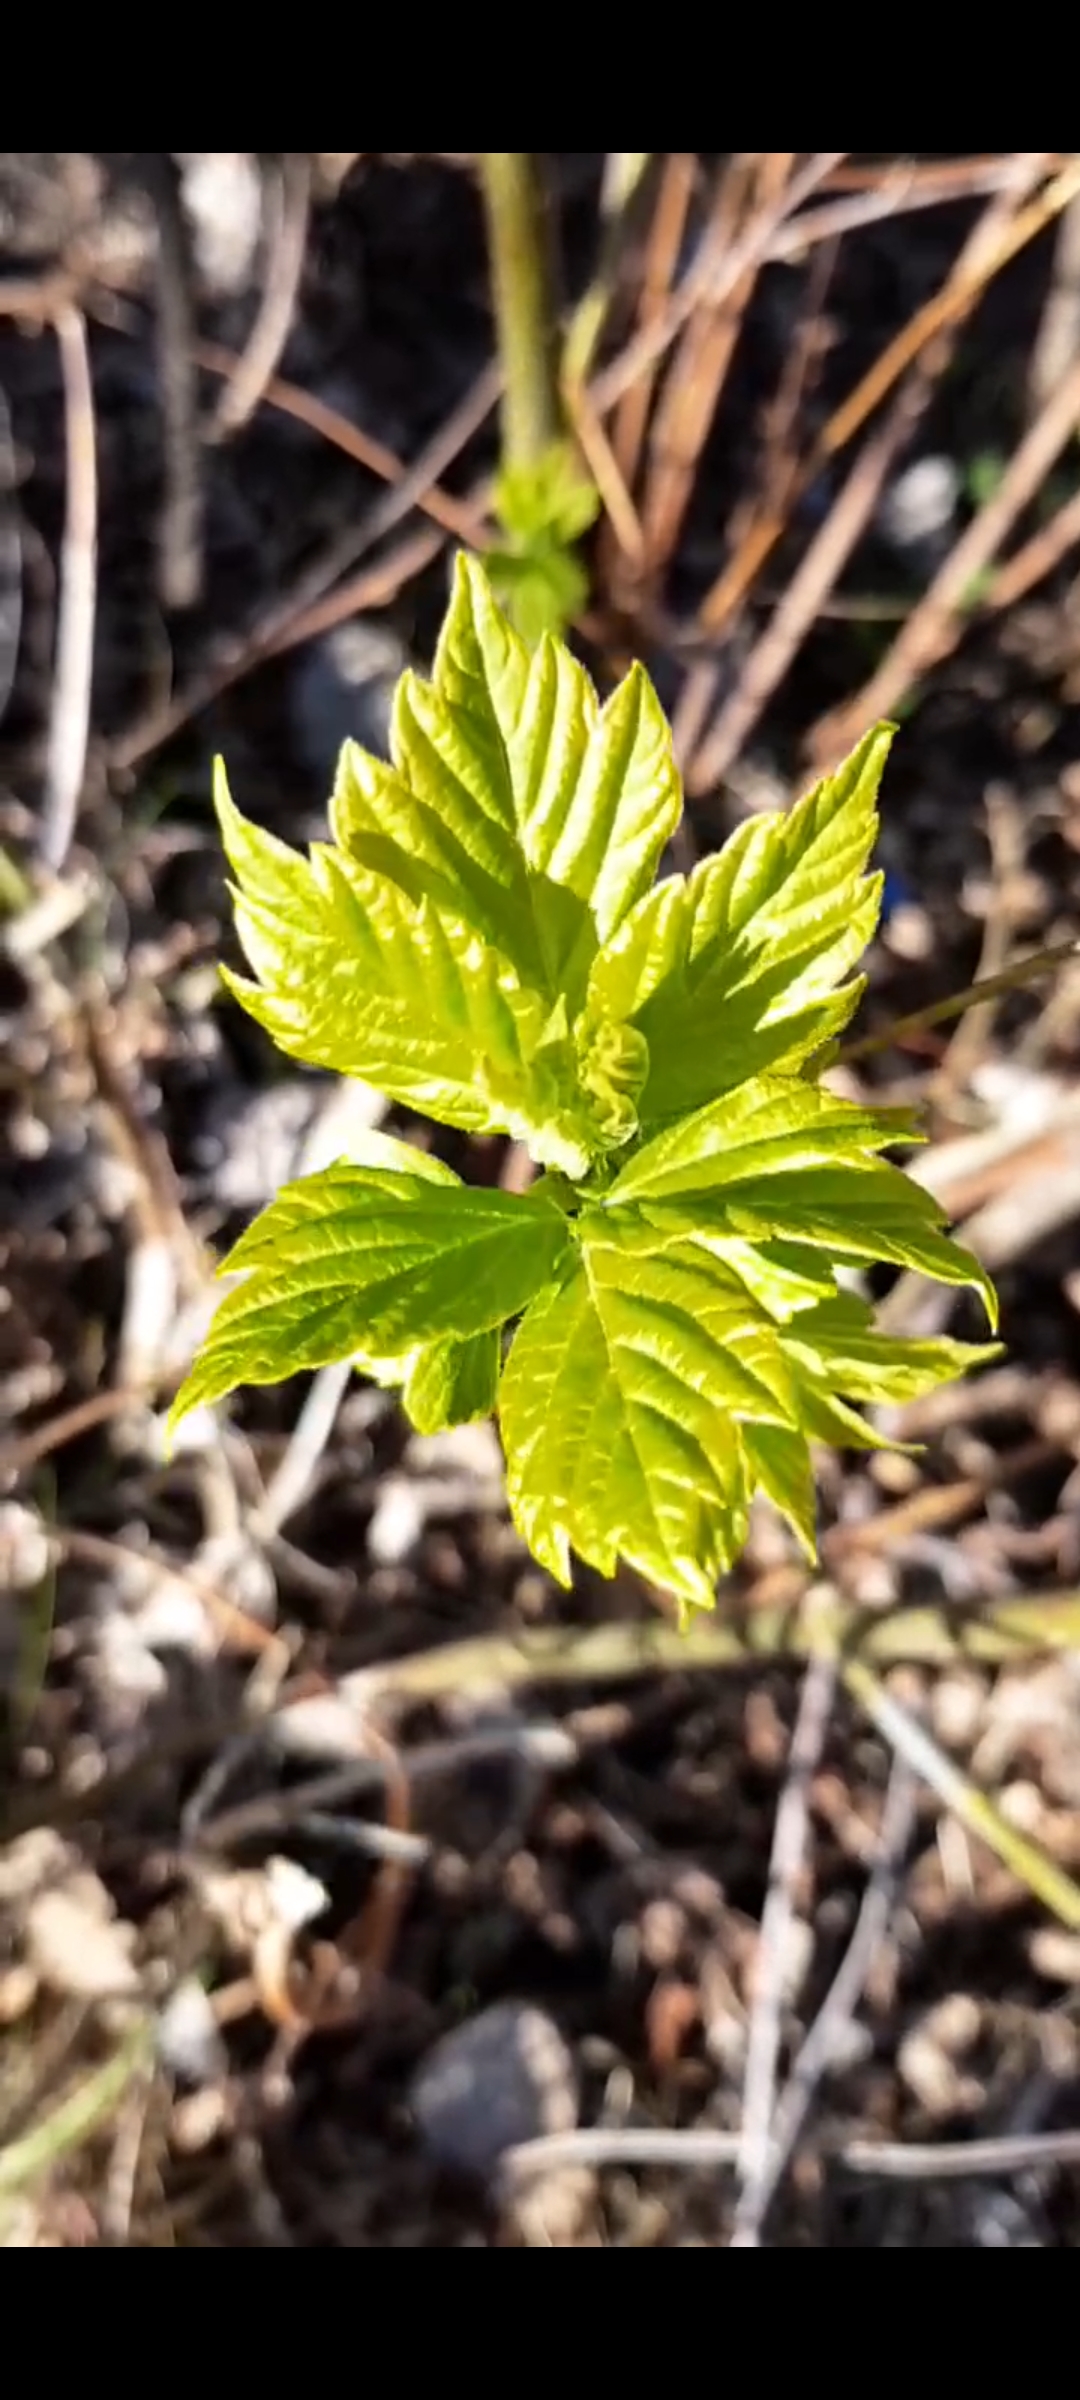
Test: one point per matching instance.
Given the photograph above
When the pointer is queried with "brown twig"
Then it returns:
(241, 1631)
(992, 243)
(781, 468)
(698, 2152)
(714, 274)
(295, 1476)
(1059, 334)
(964, 2162)
(1016, 978)
(11, 569)
(957, 298)
(953, 179)
(38, 298)
(19, 1457)
(546, 1746)
(752, 182)
(157, 1201)
(308, 612)
(937, 624)
(375, 588)
(665, 241)
(899, 194)
(1008, 853)
(1037, 560)
(468, 523)
(69, 726)
(810, 587)
(287, 248)
(934, 1507)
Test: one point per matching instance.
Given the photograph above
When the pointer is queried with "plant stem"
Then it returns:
(76, 2119)
(1024, 1858)
(1014, 979)
(524, 303)
(1009, 1630)
(624, 175)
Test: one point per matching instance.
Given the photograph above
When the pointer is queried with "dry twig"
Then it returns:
(773, 1971)
(69, 726)
(285, 266)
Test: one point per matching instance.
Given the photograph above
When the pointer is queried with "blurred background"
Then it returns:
(314, 1923)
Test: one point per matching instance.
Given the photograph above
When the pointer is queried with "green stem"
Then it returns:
(524, 303)
(76, 2120)
(994, 987)
(625, 173)
(620, 1653)
(1024, 1858)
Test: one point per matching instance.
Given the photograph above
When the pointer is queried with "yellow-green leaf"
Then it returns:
(735, 970)
(514, 798)
(454, 1383)
(360, 1263)
(354, 974)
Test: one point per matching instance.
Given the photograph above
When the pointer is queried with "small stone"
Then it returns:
(343, 690)
(552, 2212)
(469, 1450)
(188, 2041)
(224, 199)
(957, 1708)
(922, 504)
(18, 1992)
(503, 2080)
(77, 1947)
(397, 1523)
(930, 2057)
(25, 1554)
(1055, 1955)
(200, 2120)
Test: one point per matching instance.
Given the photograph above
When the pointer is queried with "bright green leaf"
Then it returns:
(785, 1160)
(356, 976)
(735, 970)
(454, 1383)
(514, 797)
(620, 1409)
(480, 941)
(356, 1263)
(775, 1125)
(778, 1464)
(542, 592)
(551, 501)
(840, 1347)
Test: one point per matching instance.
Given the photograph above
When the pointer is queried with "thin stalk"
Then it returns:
(521, 267)
(75, 2120)
(942, 1012)
(1024, 1858)
(565, 1654)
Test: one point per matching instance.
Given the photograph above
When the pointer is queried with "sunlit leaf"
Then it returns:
(735, 970)
(355, 975)
(481, 940)
(358, 1263)
(454, 1383)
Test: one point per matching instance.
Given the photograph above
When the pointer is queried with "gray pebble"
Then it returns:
(343, 690)
(920, 509)
(504, 2079)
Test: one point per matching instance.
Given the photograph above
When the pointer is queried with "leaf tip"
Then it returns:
(186, 1401)
(224, 803)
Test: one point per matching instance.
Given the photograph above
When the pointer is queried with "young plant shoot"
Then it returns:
(663, 1322)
